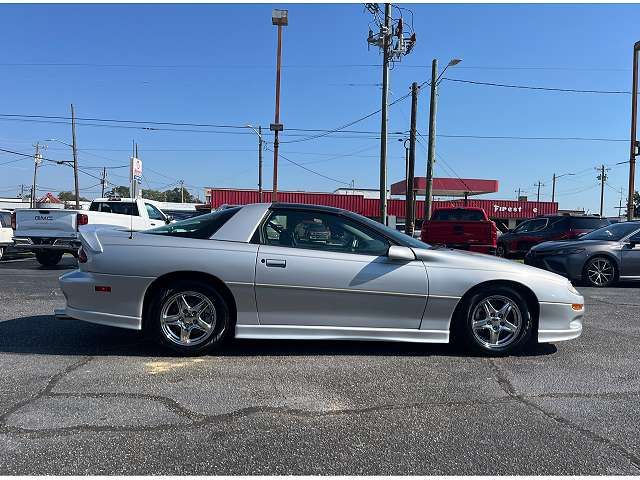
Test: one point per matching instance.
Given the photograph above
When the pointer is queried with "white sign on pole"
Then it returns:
(136, 169)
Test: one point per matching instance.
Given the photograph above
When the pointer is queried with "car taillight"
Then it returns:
(13, 220)
(81, 219)
(82, 255)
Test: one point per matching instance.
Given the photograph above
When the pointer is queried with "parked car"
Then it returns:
(464, 228)
(240, 272)
(51, 233)
(599, 258)
(6, 232)
(516, 243)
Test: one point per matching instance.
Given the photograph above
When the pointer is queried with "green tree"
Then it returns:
(70, 197)
(156, 195)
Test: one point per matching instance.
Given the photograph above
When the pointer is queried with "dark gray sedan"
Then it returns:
(599, 258)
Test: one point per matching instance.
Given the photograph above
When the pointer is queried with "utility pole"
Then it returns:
(37, 159)
(279, 18)
(75, 156)
(390, 52)
(634, 142)
(103, 181)
(603, 178)
(384, 115)
(181, 191)
(259, 164)
(518, 197)
(433, 105)
(539, 184)
(553, 189)
(410, 212)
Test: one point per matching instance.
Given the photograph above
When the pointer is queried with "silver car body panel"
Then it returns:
(283, 292)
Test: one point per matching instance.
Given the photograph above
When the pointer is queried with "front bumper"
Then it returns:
(121, 307)
(569, 266)
(559, 321)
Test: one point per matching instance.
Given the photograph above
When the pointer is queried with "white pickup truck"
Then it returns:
(51, 233)
(6, 232)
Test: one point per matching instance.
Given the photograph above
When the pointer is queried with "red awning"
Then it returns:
(449, 187)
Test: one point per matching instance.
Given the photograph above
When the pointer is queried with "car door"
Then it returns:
(316, 268)
(156, 218)
(630, 259)
(534, 234)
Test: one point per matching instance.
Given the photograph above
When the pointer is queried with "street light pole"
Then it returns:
(435, 79)
(553, 184)
(279, 18)
(36, 164)
(634, 141)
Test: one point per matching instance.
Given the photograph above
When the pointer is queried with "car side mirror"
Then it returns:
(168, 219)
(631, 244)
(397, 252)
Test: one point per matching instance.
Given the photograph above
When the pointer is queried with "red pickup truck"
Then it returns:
(465, 228)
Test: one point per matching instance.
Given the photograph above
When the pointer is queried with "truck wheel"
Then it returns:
(501, 250)
(1, 252)
(48, 259)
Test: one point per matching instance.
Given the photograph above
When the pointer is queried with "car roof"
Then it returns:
(305, 206)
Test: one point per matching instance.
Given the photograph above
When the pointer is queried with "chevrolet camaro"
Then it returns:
(255, 272)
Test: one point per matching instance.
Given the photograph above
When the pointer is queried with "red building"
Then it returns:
(505, 212)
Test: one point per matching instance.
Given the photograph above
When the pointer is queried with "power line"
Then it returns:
(507, 137)
(530, 87)
(309, 169)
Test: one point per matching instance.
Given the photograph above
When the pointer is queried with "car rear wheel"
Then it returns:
(189, 318)
(496, 320)
(48, 259)
(501, 250)
(600, 272)
(1, 252)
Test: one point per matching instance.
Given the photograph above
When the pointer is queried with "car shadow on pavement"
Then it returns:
(44, 335)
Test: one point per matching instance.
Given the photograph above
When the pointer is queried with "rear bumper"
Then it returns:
(69, 245)
(121, 307)
(559, 322)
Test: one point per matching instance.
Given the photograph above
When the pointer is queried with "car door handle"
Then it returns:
(273, 262)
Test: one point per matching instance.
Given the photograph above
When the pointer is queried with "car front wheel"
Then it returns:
(600, 272)
(189, 318)
(496, 321)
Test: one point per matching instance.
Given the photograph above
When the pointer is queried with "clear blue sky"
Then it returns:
(215, 64)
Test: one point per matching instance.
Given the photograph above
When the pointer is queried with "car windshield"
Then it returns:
(203, 226)
(613, 232)
(399, 237)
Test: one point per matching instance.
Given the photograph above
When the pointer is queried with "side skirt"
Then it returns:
(293, 332)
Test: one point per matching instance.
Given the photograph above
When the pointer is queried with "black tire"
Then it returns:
(608, 272)
(1, 252)
(483, 339)
(501, 250)
(165, 305)
(48, 258)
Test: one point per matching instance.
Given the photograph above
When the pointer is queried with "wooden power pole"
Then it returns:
(75, 156)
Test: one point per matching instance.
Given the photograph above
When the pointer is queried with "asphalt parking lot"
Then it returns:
(77, 398)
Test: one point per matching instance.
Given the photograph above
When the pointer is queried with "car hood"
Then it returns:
(478, 261)
(556, 245)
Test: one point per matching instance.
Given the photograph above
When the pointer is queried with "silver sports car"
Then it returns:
(256, 272)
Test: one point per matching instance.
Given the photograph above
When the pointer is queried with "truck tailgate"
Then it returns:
(458, 233)
(56, 223)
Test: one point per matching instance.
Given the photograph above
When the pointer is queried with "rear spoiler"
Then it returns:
(89, 238)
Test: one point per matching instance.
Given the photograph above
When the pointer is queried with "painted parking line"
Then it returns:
(16, 260)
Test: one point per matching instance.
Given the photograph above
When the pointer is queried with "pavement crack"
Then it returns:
(527, 401)
(222, 418)
(46, 391)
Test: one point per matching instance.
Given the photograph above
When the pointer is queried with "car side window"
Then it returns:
(153, 212)
(523, 227)
(321, 231)
(537, 225)
(635, 238)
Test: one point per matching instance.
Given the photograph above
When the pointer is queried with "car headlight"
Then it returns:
(572, 289)
(569, 251)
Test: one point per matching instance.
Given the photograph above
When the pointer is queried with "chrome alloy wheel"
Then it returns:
(188, 318)
(496, 321)
(600, 272)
